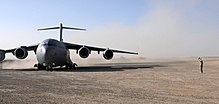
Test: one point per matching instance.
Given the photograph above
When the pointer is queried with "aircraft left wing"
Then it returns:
(28, 48)
(92, 48)
(20, 53)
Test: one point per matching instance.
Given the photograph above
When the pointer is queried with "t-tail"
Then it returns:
(61, 27)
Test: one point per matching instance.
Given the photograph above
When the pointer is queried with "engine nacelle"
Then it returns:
(2, 55)
(21, 53)
(108, 54)
(84, 52)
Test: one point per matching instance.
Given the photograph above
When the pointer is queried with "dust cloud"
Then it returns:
(17, 64)
(168, 29)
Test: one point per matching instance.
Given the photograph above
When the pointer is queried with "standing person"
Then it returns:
(201, 64)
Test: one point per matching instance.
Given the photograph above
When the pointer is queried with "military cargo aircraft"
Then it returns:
(52, 53)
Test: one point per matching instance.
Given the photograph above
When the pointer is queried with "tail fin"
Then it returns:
(61, 29)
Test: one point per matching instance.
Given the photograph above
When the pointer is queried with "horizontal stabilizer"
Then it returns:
(61, 27)
(74, 28)
(48, 28)
(51, 28)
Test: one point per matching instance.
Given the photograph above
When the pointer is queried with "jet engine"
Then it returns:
(2, 55)
(21, 53)
(84, 52)
(108, 54)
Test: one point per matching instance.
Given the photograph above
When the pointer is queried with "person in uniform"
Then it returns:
(201, 64)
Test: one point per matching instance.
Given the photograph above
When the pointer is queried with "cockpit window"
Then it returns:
(51, 42)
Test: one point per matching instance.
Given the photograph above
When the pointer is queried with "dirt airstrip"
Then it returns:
(155, 81)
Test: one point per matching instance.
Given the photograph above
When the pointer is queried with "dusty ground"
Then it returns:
(165, 82)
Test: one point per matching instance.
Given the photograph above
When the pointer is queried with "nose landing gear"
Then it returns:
(41, 67)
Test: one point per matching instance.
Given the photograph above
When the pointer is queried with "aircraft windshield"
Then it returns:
(51, 42)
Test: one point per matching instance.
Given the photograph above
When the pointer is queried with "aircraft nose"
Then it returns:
(48, 55)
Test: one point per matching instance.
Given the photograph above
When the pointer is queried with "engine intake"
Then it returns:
(21, 53)
(108, 54)
(84, 52)
(2, 55)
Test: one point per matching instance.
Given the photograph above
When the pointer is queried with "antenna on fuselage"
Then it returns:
(61, 27)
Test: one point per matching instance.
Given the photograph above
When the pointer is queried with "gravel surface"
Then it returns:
(132, 83)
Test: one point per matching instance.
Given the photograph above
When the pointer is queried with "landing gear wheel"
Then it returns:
(49, 68)
(40, 67)
(74, 65)
(71, 65)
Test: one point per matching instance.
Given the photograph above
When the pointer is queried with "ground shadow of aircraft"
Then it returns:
(98, 68)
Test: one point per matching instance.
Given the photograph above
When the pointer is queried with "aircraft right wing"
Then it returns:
(84, 50)
(92, 48)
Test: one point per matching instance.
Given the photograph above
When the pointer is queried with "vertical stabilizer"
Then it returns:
(60, 35)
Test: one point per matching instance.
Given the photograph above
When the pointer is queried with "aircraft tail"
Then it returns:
(61, 29)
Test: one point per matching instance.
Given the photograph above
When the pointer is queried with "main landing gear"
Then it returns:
(50, 68)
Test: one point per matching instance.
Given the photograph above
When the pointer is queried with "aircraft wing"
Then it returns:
(28, 48)
(92, 48)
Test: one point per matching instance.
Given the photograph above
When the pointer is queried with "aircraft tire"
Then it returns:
(41, 67)
(49, 68)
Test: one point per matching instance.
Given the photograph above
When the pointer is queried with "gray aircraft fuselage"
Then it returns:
(52, 52)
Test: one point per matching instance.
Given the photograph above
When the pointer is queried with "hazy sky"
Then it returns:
(154, 28)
